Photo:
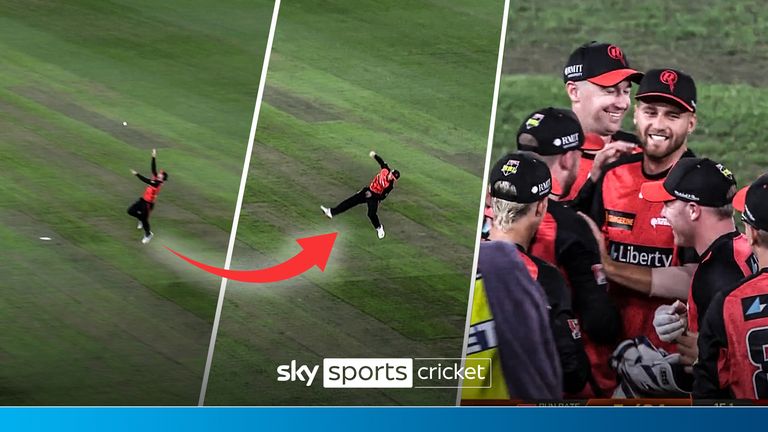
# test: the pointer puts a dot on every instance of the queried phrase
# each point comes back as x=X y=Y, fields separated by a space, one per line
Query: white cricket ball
x=125 y=123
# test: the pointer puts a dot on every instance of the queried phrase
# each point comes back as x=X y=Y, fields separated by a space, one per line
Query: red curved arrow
x=316 y=251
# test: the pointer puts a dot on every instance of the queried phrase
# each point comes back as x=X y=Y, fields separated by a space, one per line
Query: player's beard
x=663 y=154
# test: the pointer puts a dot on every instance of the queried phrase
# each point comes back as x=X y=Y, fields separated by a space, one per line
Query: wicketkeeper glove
x=646 y=371
x=670 y=321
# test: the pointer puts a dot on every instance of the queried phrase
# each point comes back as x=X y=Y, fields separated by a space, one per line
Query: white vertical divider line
x=239 y=204
x=488 y=153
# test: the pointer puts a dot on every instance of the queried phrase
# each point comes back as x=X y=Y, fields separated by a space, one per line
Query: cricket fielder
x=144 y=205
x=372 y=195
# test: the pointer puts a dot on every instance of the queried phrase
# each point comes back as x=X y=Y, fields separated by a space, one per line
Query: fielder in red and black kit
x=635 y=231
x=733 y=342
x=727 y=261
x=373 y=194
x=728 y=258
x=598 y=79
x=142 y=208
x=636 y=234
x=564 y=240
x=697 y=197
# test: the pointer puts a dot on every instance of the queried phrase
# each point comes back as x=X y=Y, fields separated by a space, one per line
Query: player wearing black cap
x=510 y=326
x=372 y=195
x=519 y=187
x=598 y=80
x=697 y=197
x=142 y=208
x=733 y=344
x=564 y=240
x=640 y=257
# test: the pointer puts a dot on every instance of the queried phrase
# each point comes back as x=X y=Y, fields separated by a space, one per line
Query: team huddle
x=613 y=267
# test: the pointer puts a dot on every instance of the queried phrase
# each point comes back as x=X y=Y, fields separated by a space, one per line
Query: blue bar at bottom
x=474 y=419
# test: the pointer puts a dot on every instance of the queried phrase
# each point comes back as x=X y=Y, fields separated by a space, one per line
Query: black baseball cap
x=752 y=202
x=528 y=175
x=702 y=181
x=599 y=63
x=550 y=131
x=670 y=84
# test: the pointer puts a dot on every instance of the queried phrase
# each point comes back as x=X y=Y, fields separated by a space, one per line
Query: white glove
x=372 y=154
x=670 y=321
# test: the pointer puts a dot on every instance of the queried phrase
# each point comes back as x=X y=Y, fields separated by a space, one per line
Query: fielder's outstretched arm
x=378 y=159
x=148 y=181
x=154 y=165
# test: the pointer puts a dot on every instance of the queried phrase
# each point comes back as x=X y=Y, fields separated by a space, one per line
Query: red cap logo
x=615 y=53
x=669 y=77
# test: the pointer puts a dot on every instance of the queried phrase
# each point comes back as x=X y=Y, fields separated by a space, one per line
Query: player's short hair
x=762 y=238
x=726 y=211
x=165 y=175
x=396 y=173
x=507 y=213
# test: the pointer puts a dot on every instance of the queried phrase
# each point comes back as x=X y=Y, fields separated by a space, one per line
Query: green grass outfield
x=94 y=317
x=414 y=82
x=723 y=45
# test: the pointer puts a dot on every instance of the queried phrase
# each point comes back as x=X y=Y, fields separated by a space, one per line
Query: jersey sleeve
x=712 y=279
x=565 y=330
x=627 y=137
x=713 y=345
x=381 y=162
x=579 y=256
x=148 y=181
x=154 y=167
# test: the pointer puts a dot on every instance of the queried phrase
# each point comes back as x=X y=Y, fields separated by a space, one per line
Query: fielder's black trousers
x=140 y=210
x=364 y=196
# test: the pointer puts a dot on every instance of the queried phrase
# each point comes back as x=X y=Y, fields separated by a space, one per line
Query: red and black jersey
x=585 y=166
x=733 y=343
x=725 y=262
x=154 y=184
x=565 y=326
x=588 y=159
x=635 y=233
x=153 y=188
x=381 y=184
x=565 y=241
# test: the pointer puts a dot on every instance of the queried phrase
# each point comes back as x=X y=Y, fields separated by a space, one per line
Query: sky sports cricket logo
x=388 y=372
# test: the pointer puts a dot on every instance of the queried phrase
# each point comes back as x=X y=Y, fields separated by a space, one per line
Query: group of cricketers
x=612 y=266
